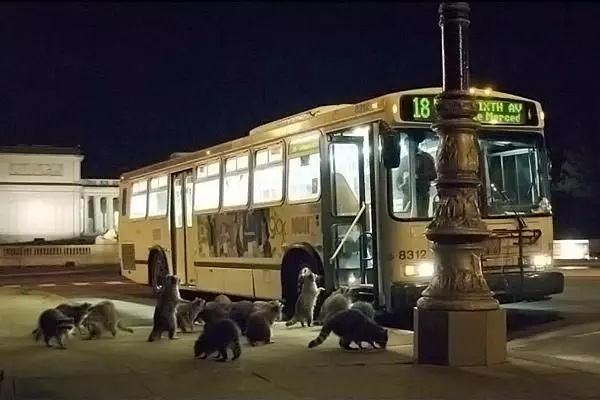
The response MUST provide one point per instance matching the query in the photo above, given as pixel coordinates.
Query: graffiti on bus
(247, 233)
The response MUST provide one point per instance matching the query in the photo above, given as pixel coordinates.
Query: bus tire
(295, 259)
(158, 269)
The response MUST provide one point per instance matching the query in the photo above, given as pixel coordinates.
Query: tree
(575, 180)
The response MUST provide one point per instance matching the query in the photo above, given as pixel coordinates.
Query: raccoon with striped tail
(352, 326)
(187, 313)
(337, 301)
(53, 324)
(104, 317)
(219, 336)
(165, 311)
(261, 321)
(307, 299)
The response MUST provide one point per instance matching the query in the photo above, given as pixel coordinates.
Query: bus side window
(124, 202)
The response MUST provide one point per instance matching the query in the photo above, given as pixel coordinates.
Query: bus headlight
(420, 270)
(541, 261)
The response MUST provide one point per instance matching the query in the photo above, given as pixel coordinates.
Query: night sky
(131, 83)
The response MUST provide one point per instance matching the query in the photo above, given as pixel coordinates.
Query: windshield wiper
(520, 220)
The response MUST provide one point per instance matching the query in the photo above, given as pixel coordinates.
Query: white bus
(243, 217)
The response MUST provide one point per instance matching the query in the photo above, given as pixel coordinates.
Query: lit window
(158, 196)
(139, 197)
(304, 169)
(268, 175)
(206, 190)
(189, 194)
(235, 183)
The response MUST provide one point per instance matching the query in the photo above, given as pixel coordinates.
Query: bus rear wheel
(158, 270)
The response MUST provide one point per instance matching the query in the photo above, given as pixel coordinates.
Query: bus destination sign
(491, 111)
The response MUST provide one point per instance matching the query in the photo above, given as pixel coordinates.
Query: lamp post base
(460, 338)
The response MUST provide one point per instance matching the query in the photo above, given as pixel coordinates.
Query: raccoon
(165, 311)
(223, 300)
(104, 317)
(212, 311)
(365, 308)
(352, 326)
(261, 321)
(53, 324)
(219, 336)
(304, 272)
(337, 301)
(305, 305)
(187, 313)
(76, 311)
(240, 313)
(262, 305)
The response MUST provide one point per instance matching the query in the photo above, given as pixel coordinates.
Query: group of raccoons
(57, 323)
(225, 321)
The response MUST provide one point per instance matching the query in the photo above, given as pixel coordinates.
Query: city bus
(314, 190)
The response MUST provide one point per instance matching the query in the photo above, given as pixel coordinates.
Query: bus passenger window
(139, 198)
(268, 175)
(123, 202)
(304, 169)
(235, 183)
(207, 193)
(157, 198)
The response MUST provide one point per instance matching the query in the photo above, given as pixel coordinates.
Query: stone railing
(67, 255)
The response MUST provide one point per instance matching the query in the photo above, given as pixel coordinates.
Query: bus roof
(384, 107)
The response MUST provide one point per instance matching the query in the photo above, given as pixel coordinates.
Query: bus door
(181, 223)
(350, 242)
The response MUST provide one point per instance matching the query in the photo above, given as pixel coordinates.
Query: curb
(33, 273)
(565, 321)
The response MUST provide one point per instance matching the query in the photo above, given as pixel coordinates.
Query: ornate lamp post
(458, 321)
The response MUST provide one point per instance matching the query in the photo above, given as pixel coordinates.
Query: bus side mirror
(390, 151)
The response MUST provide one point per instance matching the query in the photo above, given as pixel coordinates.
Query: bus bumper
(535, 285)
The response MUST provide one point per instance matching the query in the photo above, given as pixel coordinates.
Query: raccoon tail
(325, 332)
(123, 327)
(37, 334)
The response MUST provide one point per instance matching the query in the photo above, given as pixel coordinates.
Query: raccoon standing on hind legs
(307, 300)
(165, 311)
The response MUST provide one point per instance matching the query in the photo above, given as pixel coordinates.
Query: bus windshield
(514, 170)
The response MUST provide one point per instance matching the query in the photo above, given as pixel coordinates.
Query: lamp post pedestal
(457, 321)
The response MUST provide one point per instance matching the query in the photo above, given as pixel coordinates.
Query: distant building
(42, 195)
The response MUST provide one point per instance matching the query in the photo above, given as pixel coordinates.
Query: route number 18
(421, 108)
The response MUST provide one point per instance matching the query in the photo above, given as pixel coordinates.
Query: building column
(110, 213)
(82, 209)
(97, 215)
(86, 215)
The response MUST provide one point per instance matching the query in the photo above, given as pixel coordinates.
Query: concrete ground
(127, 367)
